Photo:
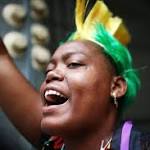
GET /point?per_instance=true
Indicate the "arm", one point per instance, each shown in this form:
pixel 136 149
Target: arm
pixel 18 99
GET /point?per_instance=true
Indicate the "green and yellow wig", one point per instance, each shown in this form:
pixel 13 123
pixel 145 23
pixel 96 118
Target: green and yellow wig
pixel 110 33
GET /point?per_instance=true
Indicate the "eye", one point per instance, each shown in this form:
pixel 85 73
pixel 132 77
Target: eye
pixel 74 65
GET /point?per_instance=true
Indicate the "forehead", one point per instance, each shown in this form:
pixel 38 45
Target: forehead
pixel 88 49
pixel 78 47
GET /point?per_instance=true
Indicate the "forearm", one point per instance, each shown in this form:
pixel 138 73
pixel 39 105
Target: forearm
pixel 18 99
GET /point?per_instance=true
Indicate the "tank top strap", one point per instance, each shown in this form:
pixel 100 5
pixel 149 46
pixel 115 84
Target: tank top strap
pixel 125 135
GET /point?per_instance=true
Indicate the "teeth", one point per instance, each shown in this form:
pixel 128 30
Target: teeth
pixel 53 92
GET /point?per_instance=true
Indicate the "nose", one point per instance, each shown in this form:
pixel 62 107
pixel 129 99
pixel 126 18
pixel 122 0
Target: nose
pixel 53 75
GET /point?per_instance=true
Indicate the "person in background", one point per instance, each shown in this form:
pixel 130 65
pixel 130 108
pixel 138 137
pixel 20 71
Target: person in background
pixel 89 82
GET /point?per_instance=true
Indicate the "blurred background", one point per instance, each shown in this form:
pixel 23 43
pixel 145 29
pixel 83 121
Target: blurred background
pixel 40 25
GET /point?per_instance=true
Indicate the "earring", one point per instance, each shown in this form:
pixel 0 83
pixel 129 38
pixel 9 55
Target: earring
pixel 115 99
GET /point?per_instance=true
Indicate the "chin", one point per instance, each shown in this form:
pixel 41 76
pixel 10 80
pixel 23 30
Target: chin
pixel 65 130
pixel 48 127
pixel 53 128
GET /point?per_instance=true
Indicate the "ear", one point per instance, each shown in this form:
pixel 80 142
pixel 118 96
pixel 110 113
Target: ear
pixel 118 87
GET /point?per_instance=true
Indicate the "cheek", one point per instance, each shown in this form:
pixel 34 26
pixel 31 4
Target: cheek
pixel 42 89
pixel 88 97
pixel 81 76
pixel 78 80
pixel 88 85
pixel 87 80
pixel 85 87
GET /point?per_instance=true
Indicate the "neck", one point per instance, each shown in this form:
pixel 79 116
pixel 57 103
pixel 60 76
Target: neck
pixel 92 140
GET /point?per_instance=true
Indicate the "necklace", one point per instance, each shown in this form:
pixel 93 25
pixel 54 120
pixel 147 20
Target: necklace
pixel 106 146
pixel 102 147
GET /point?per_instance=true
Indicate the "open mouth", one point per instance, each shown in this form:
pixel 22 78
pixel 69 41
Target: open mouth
pixel 53 97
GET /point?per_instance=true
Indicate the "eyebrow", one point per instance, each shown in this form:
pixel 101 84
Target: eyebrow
pixel 67 55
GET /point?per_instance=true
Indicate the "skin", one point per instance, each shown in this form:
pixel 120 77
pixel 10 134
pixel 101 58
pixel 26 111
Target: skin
pixel 80 71
pixel 17 98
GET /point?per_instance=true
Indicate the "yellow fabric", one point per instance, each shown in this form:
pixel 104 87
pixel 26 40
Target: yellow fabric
pixel 98 14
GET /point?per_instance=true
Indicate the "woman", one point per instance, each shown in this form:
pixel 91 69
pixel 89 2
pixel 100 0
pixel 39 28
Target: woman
pixel 89 82
pixel 78 91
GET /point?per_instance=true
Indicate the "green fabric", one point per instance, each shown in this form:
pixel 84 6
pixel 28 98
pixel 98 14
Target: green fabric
pixel 122 59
